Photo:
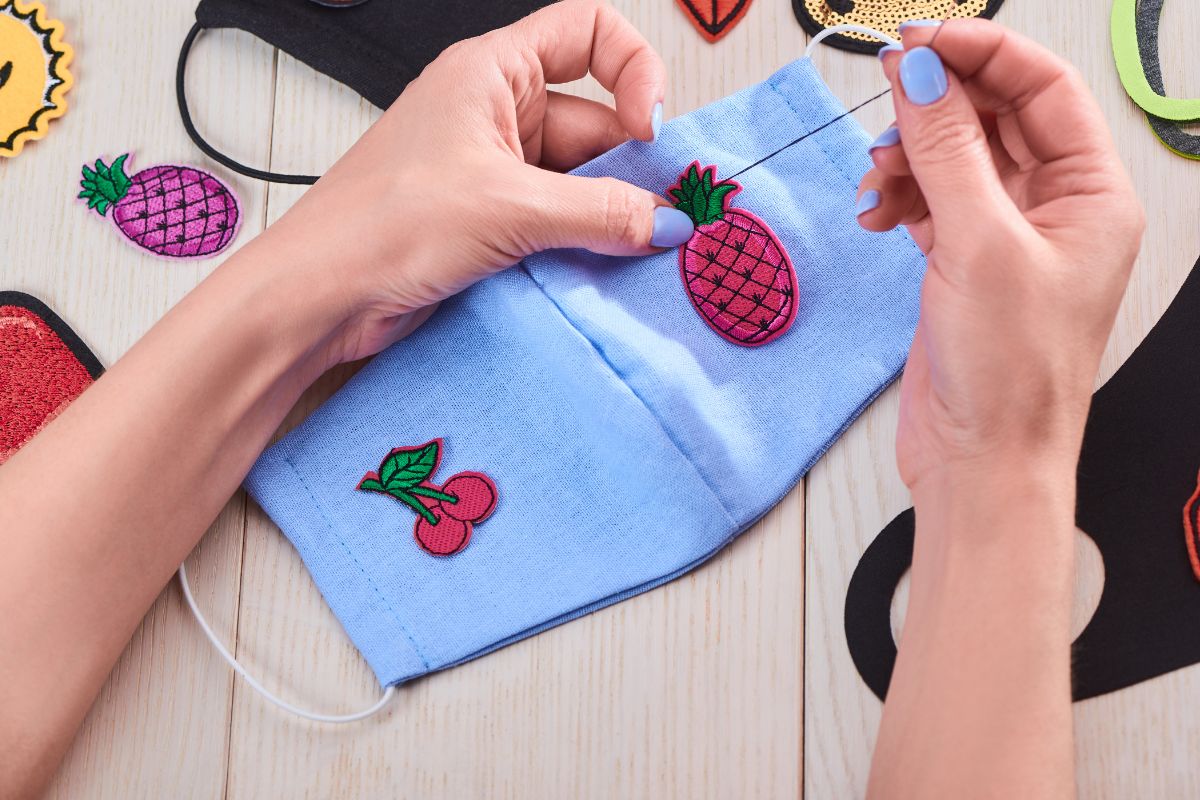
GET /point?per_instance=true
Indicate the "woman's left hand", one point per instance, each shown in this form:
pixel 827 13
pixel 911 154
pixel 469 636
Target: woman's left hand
pixel 461 177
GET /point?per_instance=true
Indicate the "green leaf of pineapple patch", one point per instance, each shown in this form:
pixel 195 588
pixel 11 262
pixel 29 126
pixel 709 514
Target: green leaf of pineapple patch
pixel 117 172
pixel 699 204
pixel 716 200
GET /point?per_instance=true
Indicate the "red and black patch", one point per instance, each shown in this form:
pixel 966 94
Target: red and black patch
pixel 44 365
pixel 714 18
pixel 447 514
pixel 1191 529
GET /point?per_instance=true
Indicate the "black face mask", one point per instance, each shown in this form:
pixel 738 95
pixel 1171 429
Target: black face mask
pixel 375 47
pixel 1137 482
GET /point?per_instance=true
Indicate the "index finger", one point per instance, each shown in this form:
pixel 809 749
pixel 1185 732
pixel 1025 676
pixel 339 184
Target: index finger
pixel 1008 73
pixel 574 37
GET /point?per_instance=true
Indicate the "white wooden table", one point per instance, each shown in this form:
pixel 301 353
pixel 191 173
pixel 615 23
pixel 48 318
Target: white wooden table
pixel 734 681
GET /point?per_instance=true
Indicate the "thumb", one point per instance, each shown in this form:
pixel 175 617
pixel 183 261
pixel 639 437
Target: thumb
pixel 606 216
pixel 944 140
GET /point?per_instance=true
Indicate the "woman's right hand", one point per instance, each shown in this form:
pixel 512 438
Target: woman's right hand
pixel 1007 177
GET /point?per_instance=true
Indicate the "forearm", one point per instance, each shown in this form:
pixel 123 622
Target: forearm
pixel 980 703
pixel 101 507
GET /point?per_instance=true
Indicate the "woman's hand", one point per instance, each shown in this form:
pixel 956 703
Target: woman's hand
pixel 1002 167
pixel 1007 177
pixel 442 191
pixel 460 177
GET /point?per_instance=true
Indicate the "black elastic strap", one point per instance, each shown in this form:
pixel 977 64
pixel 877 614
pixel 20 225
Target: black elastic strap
pixel 205 147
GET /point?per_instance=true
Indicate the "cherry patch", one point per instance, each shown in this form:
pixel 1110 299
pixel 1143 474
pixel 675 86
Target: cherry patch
pixel 43 367
pixel 447 514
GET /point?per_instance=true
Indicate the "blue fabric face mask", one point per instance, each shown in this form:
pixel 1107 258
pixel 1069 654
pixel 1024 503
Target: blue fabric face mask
pixel 626 440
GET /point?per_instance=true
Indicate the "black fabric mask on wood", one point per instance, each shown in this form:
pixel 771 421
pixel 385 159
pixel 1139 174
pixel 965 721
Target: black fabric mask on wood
pixel 1137 471
pixel 375 47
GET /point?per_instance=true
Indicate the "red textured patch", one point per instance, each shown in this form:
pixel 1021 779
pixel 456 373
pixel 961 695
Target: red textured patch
pixel 476 496
pixel 714 18
pixel 446 537
pixel 42 369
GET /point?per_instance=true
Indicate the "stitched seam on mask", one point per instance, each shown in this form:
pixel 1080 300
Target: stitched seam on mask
pixel 621 378
pixel 832 161
pixel 329 525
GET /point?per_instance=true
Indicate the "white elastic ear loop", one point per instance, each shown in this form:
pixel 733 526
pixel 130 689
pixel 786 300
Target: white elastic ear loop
pixel 258 687
pixel 863 29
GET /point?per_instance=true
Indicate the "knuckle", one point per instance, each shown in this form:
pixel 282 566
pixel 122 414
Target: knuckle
pixel 1133 225
pixel 1072 74
pixel 950 139
pixel 625 216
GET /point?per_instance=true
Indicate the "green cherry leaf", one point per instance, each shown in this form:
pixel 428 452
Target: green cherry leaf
pixel 372 485
pixel 408 466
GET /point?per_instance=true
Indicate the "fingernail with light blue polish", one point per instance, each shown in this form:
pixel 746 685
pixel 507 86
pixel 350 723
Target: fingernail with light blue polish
pixel 888 138
pixel 923 76
pixel 919 23
pixel 655 121
pixel 672 227
pixel 890 48
pixel 868 202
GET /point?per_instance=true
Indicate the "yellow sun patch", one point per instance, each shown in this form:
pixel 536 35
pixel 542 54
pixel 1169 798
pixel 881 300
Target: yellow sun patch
pixel 33 73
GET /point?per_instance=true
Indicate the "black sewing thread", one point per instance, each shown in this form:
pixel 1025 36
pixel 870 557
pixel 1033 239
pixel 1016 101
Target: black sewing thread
pixel 813 132
pixel 820 128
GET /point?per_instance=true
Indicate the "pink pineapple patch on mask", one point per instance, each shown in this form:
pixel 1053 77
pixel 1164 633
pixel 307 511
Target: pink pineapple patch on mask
pixel 735 270
pixel 172 211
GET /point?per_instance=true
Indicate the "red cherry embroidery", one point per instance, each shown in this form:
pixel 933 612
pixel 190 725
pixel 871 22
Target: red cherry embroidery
pixel 476 496
pixel 446 515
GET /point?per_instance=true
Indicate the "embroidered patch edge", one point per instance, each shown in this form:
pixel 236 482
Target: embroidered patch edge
pixel 717 29
pixel 106 186
pixel 704 188
pixel 1191 528
pixel 54 104
pixel 61 329
pixel 843 42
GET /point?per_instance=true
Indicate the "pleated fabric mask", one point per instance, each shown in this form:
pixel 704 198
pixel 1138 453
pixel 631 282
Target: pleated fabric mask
pixel 604 438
